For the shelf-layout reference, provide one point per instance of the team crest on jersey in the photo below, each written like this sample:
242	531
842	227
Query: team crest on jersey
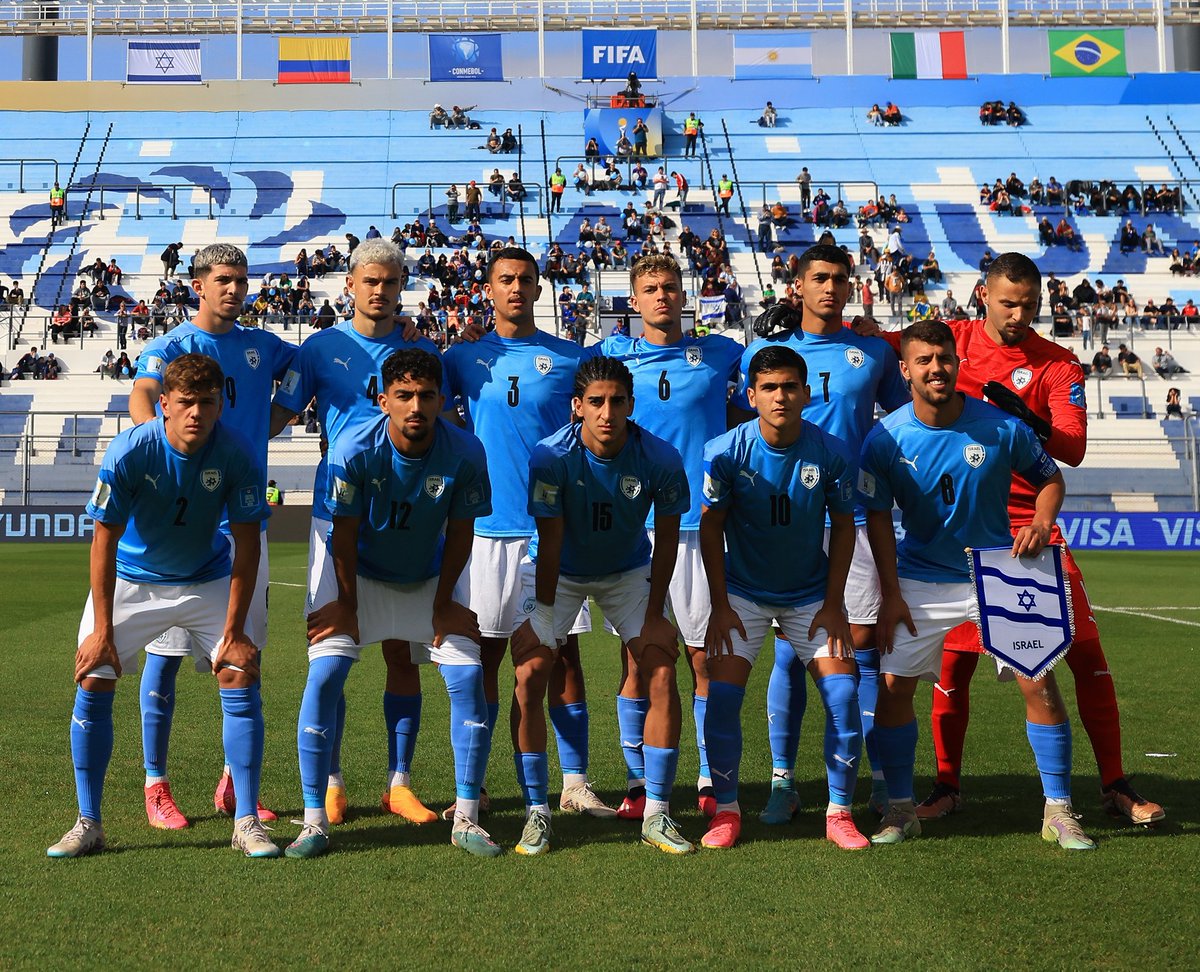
631	486
210	479
435	485
253	358
855	357
810	475
974	454
543	363
1021	377
693	356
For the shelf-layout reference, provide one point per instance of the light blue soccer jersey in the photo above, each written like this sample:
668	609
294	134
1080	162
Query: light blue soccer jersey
404	503
513	392
777	500
172	503
680	394
252	360
604	502
951	484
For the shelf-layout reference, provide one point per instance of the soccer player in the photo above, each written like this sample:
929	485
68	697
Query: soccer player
947	461
159	560
340	367
592	484
681	384
404	494
1043	383
514	386
768	485
850	374
252	360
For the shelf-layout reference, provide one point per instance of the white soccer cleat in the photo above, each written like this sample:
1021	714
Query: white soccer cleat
86	837
581	798
250	837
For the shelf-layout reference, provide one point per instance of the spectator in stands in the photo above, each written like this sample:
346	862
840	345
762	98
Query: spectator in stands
123	367
1150	241
1084	293
1131	199
493	142
1054	192
352	242
96	270
641	138
1102	362
438	118
639	176
326	316
1064	232
58	205
768	117
1014	116
508	142
624	147
452	203
170	258
1152	318
724	193
892	115
105	367
1015	186
612	175
691	134
894	284
459	117
987	114
1131	364
318	266
1130	238
1046	232
1174	403
931	270
660	183
1164	364
1037	192
86	321
894	246
60	323
1002	202
112	273
681	189
875	115
100	296
25	365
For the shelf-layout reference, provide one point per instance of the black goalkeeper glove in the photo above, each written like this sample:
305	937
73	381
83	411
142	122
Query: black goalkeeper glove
776	318
1010	401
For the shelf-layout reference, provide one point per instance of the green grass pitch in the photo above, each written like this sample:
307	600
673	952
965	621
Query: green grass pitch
979	890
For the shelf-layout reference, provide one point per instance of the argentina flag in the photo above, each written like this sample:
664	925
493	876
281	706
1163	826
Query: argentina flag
163	62
1024	607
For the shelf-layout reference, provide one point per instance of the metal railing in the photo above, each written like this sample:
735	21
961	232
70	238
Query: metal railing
487	206
146	187
21	163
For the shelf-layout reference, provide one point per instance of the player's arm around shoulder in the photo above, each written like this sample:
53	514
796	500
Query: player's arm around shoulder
1067	402
147	382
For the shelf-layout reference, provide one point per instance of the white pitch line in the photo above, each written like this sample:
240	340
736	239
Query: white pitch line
275	583
1141	613
1154	607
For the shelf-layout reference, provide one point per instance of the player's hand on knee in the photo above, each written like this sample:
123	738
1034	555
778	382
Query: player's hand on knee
95	652
892	613
453	618
237	651
660	633
832	620
722	622
1030	540
334	618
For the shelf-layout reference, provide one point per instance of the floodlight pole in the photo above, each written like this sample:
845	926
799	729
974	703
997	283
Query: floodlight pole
695	41
238	41
90	38
389	39
541	16
849	8
1160	32
1004	50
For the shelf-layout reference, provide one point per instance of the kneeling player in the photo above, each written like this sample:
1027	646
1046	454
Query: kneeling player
404	495
947	461
591	486
767	486
159	561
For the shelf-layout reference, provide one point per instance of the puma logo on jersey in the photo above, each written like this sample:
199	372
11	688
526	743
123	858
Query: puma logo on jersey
345	364
910	462
487	364
378	484
153	480
310	730
747	474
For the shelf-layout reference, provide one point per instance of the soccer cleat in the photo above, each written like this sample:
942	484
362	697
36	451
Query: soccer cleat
782	804
312	842
469	836
535	838
633	807
1122	800
161	809
402	801
335	803
706	802
897	826
1061	824
226	803
723	831
659	830
942	801
86	837
250	837
581	798
840	828
485	805
878	801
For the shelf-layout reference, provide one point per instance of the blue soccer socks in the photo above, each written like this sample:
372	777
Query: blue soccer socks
787	696
631	722
91	748
570	724
898	754
317	727
843	735
470	736
157	701
243	737
1052	752
533	775
723	731
402	718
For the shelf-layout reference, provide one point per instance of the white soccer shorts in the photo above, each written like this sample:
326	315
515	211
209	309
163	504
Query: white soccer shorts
687	596
400	611
143	612
794	622
622	597
318	534
495	586
862	598
175	643
935	609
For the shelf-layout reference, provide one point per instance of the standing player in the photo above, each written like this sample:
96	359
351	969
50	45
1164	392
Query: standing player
592	485
682	385
159	560
850	375
947	461
767	487
252	360
1042	383
514	386
404	494
340	367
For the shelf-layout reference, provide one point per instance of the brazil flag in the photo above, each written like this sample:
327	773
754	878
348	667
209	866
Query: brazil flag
1076	54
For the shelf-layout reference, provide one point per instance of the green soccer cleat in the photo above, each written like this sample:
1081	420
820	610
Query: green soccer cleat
659	830
312	842
535	838
469	836
897	826
1061	825
782	805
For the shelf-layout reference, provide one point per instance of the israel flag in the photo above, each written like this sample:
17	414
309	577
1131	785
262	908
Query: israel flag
163	62
784	54
1024	607
712	311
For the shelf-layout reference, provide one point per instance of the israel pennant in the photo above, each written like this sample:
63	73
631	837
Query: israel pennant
1024	607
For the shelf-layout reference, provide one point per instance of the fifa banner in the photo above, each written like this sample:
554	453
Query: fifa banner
44	524
786	54
314	60
1075	53
1024	607
465	57
612	54
162	62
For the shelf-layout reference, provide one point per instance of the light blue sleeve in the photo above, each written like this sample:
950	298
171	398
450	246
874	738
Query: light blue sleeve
472	491
874	490
718	475
546	479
